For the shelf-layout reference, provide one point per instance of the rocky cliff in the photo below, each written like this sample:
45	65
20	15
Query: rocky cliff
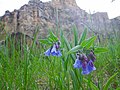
56	14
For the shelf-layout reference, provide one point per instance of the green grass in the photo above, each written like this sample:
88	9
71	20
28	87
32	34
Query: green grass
31	70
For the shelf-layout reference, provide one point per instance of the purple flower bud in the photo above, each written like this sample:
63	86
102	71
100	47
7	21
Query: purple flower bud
85	59
92	56
57	46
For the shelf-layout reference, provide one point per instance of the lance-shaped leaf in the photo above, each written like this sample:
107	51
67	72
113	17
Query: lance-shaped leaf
74	49
53	37
45	41
75	35
100	50
68	47
83	36
87	43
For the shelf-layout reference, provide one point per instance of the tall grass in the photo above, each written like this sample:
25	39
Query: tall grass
30	69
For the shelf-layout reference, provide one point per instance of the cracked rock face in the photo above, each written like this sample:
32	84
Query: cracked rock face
56	14
64	2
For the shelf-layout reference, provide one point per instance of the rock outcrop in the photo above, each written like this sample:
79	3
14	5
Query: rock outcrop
56	14
60	3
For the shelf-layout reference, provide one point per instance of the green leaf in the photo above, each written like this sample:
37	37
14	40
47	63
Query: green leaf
74	49
83	36
105	87
50	39
75	35
68	47
45	41
53	37
87	43
66	43
100	50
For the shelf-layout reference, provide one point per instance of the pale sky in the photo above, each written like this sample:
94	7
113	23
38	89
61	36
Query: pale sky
113	8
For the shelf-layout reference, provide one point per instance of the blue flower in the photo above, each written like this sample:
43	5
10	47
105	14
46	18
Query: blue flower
78	61
47	53
54	50
77	64
84	62
91	66
84	68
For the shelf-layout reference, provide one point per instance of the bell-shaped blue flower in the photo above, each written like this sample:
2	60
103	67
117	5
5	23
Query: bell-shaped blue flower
47	53
77	64
84	68
91	66
54	50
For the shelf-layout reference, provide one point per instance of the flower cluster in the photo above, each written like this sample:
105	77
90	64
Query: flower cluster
85	62
54	50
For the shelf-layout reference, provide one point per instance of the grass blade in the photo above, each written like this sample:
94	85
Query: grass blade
105	87
61	38
74	80
93	86
35	36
